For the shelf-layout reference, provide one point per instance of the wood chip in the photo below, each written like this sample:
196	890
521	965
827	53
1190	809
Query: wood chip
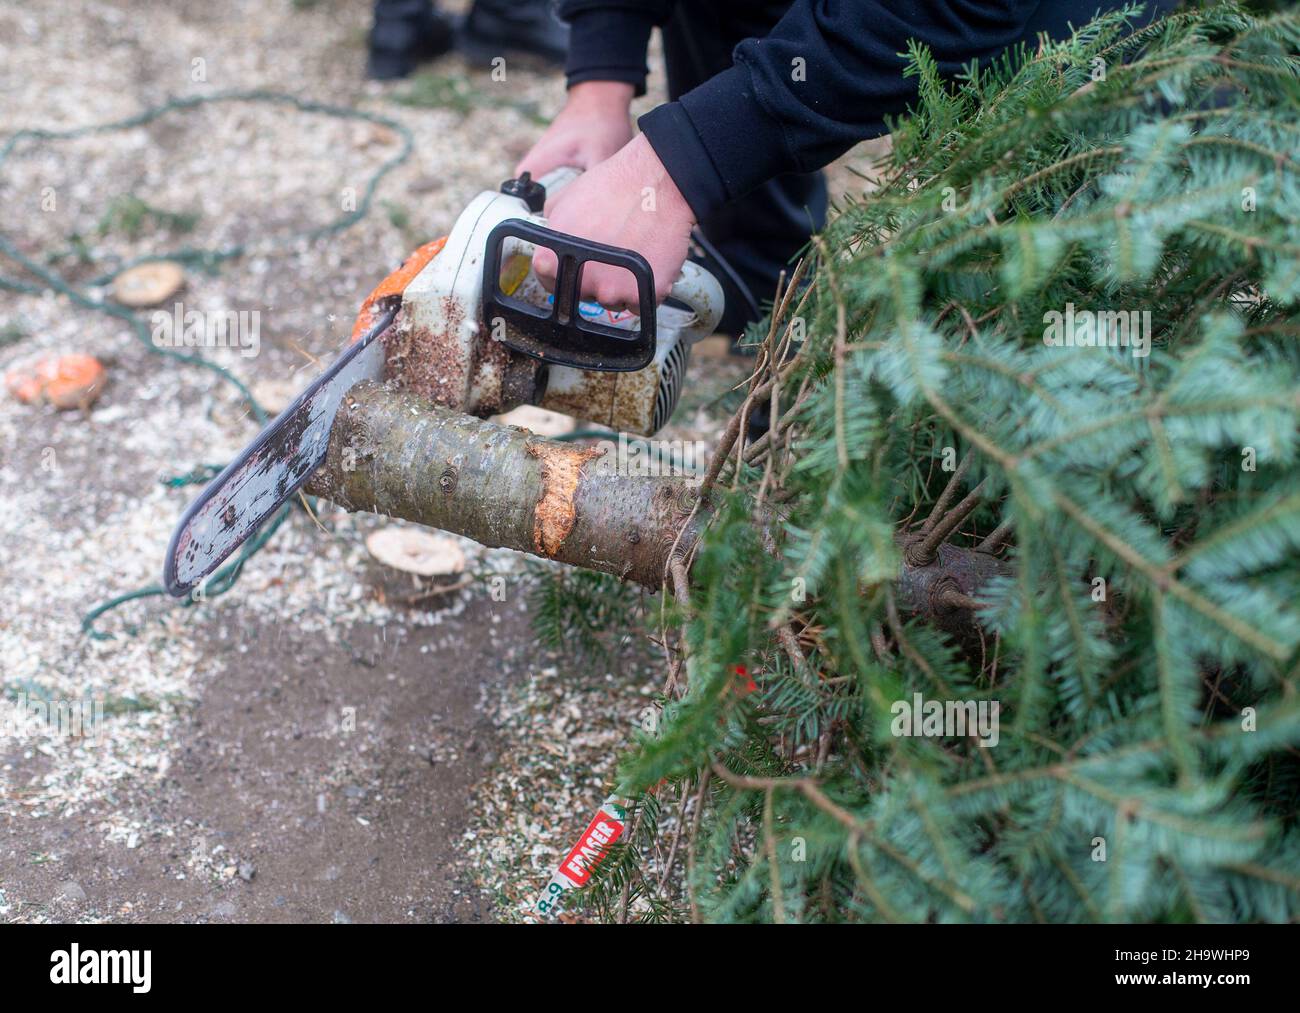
715	346
541	421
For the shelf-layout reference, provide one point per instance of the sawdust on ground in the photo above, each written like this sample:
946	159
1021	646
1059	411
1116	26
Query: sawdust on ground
306	747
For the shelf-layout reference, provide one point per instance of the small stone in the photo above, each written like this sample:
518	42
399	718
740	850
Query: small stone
275	394
339	918
247	870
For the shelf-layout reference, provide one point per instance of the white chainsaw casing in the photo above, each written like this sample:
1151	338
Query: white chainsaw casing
450	354
453	359
639	402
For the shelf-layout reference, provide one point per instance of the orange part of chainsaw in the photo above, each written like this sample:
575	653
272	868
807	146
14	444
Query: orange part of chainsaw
395	283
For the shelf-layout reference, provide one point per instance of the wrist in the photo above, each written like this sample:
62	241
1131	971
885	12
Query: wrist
602	96
649	169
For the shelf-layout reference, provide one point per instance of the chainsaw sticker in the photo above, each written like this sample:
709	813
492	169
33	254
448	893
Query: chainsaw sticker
595	311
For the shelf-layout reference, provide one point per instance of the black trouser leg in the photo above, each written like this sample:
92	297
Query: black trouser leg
761	233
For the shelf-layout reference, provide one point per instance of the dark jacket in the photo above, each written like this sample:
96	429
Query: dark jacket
759	118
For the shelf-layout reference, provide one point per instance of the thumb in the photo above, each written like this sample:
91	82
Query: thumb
529	163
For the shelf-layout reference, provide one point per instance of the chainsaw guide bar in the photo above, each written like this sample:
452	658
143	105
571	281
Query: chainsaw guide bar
271	469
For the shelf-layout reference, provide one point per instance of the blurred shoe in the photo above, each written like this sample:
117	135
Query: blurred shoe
522	26
406	33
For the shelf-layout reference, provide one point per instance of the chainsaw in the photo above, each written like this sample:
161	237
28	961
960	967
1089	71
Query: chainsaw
467	323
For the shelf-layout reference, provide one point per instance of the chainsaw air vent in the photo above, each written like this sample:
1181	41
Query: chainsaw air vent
672	374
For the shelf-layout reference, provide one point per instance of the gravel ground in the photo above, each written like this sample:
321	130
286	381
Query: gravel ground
305	747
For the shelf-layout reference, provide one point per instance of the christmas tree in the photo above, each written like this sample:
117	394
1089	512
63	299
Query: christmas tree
999	621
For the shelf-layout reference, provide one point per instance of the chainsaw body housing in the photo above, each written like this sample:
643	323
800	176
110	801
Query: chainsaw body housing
444	348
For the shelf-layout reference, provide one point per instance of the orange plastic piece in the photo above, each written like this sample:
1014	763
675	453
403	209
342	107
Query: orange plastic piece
65	381
395	283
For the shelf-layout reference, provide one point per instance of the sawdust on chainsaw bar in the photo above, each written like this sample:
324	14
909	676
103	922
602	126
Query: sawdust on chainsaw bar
308	747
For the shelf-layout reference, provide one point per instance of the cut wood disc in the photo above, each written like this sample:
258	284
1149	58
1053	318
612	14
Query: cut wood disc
148	284
541	421
65	381
411	550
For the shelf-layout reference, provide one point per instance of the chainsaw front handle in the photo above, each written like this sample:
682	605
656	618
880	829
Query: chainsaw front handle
567	331
695	288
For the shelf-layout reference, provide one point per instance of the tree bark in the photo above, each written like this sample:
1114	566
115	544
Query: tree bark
393	452
396	453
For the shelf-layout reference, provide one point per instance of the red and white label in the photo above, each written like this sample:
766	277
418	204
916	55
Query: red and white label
591	848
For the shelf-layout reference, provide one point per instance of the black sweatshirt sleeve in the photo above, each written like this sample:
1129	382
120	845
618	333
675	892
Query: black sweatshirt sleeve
823	79
608	39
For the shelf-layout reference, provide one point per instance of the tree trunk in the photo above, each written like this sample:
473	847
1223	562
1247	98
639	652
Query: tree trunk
396	453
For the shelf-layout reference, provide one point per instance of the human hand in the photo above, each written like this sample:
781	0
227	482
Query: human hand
629	201
593	124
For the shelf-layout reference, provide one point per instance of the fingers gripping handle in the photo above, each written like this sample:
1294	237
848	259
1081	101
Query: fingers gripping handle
558	333
694	288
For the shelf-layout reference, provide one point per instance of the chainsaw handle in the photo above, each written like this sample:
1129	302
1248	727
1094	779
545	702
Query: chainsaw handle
557	179
698	290
560	333
695	288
